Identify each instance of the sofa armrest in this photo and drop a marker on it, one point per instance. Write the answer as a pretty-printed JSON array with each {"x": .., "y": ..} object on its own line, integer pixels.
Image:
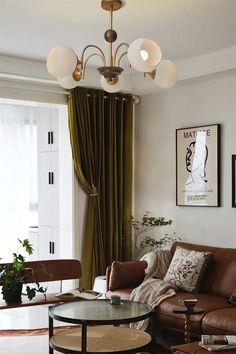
[{"x": 122, "y": 275}]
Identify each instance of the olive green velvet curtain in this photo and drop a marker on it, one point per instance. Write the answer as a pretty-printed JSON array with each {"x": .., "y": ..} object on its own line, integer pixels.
[{"x": 101, "y": 128}]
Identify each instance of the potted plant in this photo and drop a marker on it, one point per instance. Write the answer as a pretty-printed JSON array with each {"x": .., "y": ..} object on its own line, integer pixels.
[
  {"x": 14, "y": 275},
  {"x": 142, "y": 229}
]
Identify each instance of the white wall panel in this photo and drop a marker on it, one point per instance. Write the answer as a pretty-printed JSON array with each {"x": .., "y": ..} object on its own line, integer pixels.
[{"x": 194, "y": 102}]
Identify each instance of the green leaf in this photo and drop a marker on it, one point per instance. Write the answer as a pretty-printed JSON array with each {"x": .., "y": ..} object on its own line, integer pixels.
[
  {"x": 143, "y": 226},
  {"x": 31, "y": 292},
  {"x": 12, "y": 273},
  {"x": 27, "y": 246}
]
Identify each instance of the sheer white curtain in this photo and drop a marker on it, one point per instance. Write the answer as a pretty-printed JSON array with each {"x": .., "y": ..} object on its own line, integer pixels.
[{"x": 16, "y": 192}]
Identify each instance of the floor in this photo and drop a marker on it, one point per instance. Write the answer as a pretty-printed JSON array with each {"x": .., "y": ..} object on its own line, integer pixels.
[
  {"x": 24, "y": 345},
  {"x": 35, "y": 317},
  {"x": 36, "y": 342},
  {"x": 25, "y": 317},
  {"x": 31, "y": 344}
]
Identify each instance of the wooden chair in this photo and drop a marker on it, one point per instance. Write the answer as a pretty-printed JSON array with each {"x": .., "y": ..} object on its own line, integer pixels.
[{"x": 48, "y": 271}]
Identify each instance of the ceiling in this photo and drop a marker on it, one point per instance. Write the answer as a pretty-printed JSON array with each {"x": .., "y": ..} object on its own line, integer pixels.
[{"x": 182, "y": 28}]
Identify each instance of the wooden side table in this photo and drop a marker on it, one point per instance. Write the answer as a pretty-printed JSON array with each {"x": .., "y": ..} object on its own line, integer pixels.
[
  {"x": 194, "y": 348},
  {"x": 188, "y": 312}
]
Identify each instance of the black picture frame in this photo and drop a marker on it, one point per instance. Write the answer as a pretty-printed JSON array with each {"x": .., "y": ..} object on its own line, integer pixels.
[
  {"x": 233, "y": 181},
  {"x": 198, "y": 166}
]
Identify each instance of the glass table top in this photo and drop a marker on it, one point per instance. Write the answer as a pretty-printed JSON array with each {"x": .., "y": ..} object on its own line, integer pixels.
[{"x": 95, "y": 311}]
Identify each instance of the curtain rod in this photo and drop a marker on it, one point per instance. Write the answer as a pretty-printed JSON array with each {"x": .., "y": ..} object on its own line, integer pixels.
[{"x": 136, "y": 99}]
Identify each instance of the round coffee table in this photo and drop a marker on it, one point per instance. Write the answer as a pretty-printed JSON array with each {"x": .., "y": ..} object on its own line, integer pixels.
[{"x": 100, "y": 331}]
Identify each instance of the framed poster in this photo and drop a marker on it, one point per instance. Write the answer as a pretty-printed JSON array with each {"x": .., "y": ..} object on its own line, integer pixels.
[
  {"x": 198, "y": 166},
  {"x": 234, "y": 181}
]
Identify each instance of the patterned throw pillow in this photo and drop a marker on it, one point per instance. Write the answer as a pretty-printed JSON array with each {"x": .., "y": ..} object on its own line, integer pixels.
[{"x": 187, "y": 269}]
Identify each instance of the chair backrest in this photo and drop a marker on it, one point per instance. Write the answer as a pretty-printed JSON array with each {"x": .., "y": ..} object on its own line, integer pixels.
[{"x": 54, "y": 270}]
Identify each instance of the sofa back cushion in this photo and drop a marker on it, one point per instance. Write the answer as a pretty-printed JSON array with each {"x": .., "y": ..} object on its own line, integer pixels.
[
  {"x": 126, "y": 274},
  {"x": 219, "y": 278}
]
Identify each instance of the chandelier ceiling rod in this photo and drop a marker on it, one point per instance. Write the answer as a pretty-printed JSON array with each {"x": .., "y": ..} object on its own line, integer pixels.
[
  {"x": 143, "y": 54},
  {"x": 111, "y": 73}
]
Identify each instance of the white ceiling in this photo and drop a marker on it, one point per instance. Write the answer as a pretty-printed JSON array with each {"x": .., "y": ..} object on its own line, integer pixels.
[{"x": 182, "y": 28}]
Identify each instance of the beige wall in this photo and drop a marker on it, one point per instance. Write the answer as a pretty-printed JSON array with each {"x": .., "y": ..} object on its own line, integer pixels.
[{"x": 207, "y": 100}]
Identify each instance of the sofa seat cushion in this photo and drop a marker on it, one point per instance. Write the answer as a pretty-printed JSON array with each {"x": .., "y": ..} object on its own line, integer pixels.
[
  {"x": 166, "y": 318},
  {"x": 123, "y": 293},
  {"x": 221, "y": 321}
]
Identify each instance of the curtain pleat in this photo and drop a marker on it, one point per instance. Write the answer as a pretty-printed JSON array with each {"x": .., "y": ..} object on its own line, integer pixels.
[{"x": 101, "y": 128}]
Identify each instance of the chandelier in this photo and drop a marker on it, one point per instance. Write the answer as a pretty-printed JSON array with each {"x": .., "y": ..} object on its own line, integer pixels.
[{"x": 144, "y": 55}]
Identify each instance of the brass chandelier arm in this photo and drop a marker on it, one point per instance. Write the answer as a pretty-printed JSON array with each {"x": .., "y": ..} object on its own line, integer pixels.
[
  {"x": 152, "y": 74},
  {"x": 117, "y": 62},
  {"x": 85, "y": 63},
  {"x": 122, "y": 55},
  {"x": 101, "y": 55}
]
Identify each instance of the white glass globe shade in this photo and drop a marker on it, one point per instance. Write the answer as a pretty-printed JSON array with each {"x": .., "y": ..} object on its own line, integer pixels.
[
  {"x": 68, "y": 82},
  {"x": 112, "y": 88},
  {"x": 61, "y": 61},
  {"x": 166, "y": 74},
  {"x": 144, "y": 54}
]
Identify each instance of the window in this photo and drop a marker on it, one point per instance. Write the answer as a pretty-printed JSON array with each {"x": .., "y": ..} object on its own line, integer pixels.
[{"x": 18, "y": 176}]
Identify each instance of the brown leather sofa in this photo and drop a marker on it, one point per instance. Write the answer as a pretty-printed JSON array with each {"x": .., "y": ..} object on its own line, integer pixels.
[{"x": 219, "y": 282}]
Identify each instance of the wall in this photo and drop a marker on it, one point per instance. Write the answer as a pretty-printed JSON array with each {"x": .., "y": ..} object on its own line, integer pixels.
[
  {"x": 207, "y": 100},
  {"x": 193, "y": 101}
]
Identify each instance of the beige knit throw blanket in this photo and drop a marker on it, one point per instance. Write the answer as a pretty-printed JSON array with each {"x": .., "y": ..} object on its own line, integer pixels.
[{"x": 153, "y": 291}]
